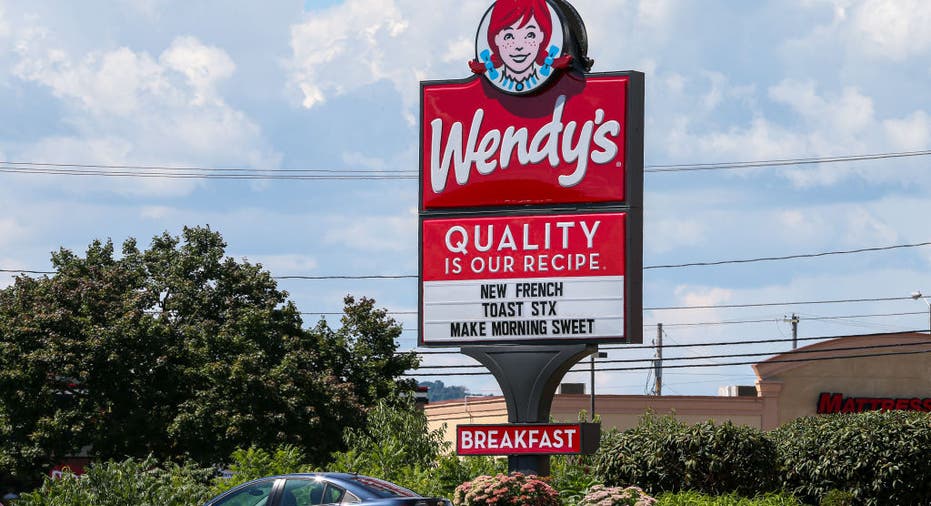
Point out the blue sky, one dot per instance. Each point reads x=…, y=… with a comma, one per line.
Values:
x=334, y=85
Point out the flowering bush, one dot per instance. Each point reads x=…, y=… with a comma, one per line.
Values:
x=516, y=489
x=600, y=495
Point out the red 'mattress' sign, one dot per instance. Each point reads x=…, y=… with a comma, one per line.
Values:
x=836, y=403
x=575, y=142
x=520, y=278
x=539, y=439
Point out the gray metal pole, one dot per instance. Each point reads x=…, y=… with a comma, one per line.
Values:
x=658, y=372
x=591, y=414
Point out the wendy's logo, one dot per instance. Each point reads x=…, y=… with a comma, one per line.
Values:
x=520, y=45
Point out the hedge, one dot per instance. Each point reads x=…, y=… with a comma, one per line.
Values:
x=879, y=457
x=663, y=454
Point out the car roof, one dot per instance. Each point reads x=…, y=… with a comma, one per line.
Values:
x=358, y=484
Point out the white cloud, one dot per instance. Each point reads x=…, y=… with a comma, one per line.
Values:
x=111, y=83
x=286, y=264
x=671, y=233
x=4, y=24
x=849, y=113
x=655, y=13
x=896, y=29
x=202, y=65
x=360, y=42
x=821, y=124
x=373, y=233
x=11, y=232
x=693, y=297
x=912, y=132
x=126, y=107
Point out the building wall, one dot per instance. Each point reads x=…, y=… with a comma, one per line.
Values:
x=788, y=387
x=895, y=375
x=616, y=411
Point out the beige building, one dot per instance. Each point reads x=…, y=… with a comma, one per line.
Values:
x=895, y=375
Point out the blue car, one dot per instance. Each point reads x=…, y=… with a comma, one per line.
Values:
x=313, y=489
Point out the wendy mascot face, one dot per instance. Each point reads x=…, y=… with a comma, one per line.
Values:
x=519, y=44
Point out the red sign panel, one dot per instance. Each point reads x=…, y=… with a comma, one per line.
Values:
x=836, y=403
x=567, y=144
x=523, y=278
x=509, y=247
x=550, y=439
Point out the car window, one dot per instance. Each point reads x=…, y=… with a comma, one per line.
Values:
x=382, y=488
x=253, y=495
x=303, y=492
x=350, y=498
x=332, y=494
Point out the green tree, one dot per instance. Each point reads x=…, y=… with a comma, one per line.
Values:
x=178, y=351
x=363, y=352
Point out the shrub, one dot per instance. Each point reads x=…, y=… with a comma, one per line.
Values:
x=572, y=476
x=599, y=495
x=451, y=471
x=837, y=498
x=699, y=499
x=878, y=457
x=137, y=482
x=516, y=489
x=253, y=463
x=397, y=445
x=662, y=454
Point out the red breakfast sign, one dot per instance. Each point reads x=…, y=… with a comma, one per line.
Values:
x=550, y=439
x=568, y=144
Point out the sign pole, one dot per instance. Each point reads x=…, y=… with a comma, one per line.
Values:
x=528, y=377
x=531, y=217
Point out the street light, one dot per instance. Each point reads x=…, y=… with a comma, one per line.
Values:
x=917, y=295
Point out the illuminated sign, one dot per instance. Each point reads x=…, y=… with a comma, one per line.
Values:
x=557, y=277
x=579, y=141
x=527, y=439
x=531, y=189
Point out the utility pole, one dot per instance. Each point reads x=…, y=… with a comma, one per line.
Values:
x=658, y=361
x=601, y=354
x=794, y=321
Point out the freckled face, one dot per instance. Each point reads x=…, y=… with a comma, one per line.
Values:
x=518, y=46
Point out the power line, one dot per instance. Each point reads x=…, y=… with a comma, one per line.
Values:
x=627, y=347
x=373, y=276
x=655, y=308
x=648, y=267
x=711, y=357
x=689, y=324
x=788, y=257
x=686, y=366
x=201, y=172
x=172, y=175
x=781, y=162
x=771, y=304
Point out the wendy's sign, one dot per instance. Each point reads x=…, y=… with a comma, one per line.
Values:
x=531, y=127
x=519, y=45
x=531, y=178
x=569, y=143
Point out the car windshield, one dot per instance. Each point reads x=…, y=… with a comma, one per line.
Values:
x=383, y=488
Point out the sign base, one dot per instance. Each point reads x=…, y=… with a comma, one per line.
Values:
x=528, y=377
